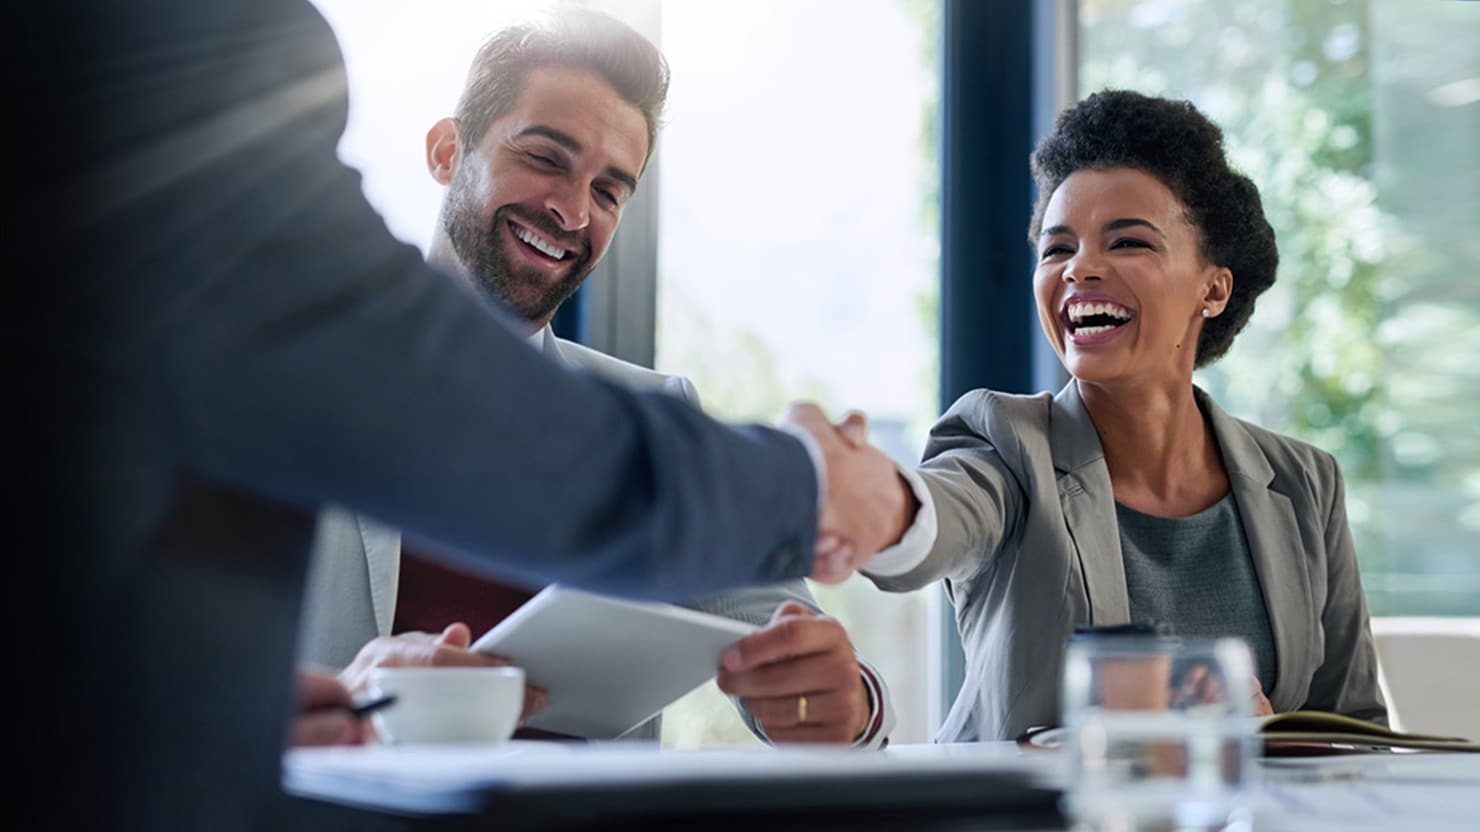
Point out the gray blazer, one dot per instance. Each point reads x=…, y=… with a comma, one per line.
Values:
x=356, y=563
x=1029, y=547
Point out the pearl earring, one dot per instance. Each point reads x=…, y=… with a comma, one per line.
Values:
x=1206, y=313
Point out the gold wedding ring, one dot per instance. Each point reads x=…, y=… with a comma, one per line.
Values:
x=802, y=708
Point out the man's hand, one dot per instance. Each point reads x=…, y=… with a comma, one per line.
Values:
x=799, y=654
x=323, y=712
x=448, y=648
x=869, y=505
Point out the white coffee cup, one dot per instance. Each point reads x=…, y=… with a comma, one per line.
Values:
x=448, y=704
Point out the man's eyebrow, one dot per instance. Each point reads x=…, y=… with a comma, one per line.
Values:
x=1130, y=222
x=1057, y=229
x=568, y=142
x=622, y=176
x=563, y=139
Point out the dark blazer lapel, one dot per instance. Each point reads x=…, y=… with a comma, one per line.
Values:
x=1088, y=503
x=1268, y=518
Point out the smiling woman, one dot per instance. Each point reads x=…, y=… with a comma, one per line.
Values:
x=1131, y=495
x=1128, y=151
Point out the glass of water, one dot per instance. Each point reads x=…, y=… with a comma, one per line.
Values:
x=1159, y=732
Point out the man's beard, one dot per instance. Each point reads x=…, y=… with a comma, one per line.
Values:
x=526, y=290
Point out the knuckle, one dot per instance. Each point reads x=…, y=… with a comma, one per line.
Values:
x=833, y=733
x=834, y=630
x=843, y=667
x=788, y=632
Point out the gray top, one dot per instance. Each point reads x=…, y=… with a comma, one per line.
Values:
x=1196, y=574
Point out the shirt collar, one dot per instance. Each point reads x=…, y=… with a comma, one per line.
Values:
x=542, y=340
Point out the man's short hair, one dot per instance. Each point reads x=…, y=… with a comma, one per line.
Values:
x=571, y=37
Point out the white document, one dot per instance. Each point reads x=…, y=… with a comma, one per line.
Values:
x=609, y=664
x=1424, y=790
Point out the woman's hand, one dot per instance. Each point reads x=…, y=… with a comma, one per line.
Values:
x=1258, y=701
x=1200, y=686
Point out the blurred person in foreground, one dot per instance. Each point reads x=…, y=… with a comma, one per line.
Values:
x=213, y=318
x=1131, y=495
x=550, y=138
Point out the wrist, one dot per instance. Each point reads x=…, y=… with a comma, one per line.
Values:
x=909, y=506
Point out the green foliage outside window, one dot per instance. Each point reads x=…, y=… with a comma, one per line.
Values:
x=1360, y=122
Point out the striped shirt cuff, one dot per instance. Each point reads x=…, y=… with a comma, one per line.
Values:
x=881, y=715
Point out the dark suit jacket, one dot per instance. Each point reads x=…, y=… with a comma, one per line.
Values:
x=1029, y=547
x=222, y=316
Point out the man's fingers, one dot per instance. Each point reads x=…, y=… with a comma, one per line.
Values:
x=869, y=505
x=831, y=733
x=445, y=649
x=828, y=545
x=807, y=415
x=456, y=634
x=783, y=638
x=854, y=428
x=319, y=690
x=326, y=728
x=806, y=674
x=823, y=707
x=793, y=609
x=535, y=700
x=795, y=677
x=458, y=657
x=835, y=566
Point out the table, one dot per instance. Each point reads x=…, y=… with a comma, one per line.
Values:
x=534, y=785
x=949, y=787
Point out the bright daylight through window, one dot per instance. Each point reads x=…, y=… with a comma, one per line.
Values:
x=797, y=229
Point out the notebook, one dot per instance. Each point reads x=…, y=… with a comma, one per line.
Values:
x=1312, y=733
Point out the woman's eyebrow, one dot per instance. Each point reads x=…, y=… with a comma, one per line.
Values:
x=1129, y=222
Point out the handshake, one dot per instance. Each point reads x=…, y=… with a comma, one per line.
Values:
x=867, y=506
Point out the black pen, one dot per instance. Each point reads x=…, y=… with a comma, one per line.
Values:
x=361, y=708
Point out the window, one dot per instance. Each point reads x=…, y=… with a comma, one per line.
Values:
x=406, y=64
x=1360, y=122
x=797, y=229
x=797, y=257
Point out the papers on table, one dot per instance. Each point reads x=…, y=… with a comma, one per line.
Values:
x=1426, y=791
